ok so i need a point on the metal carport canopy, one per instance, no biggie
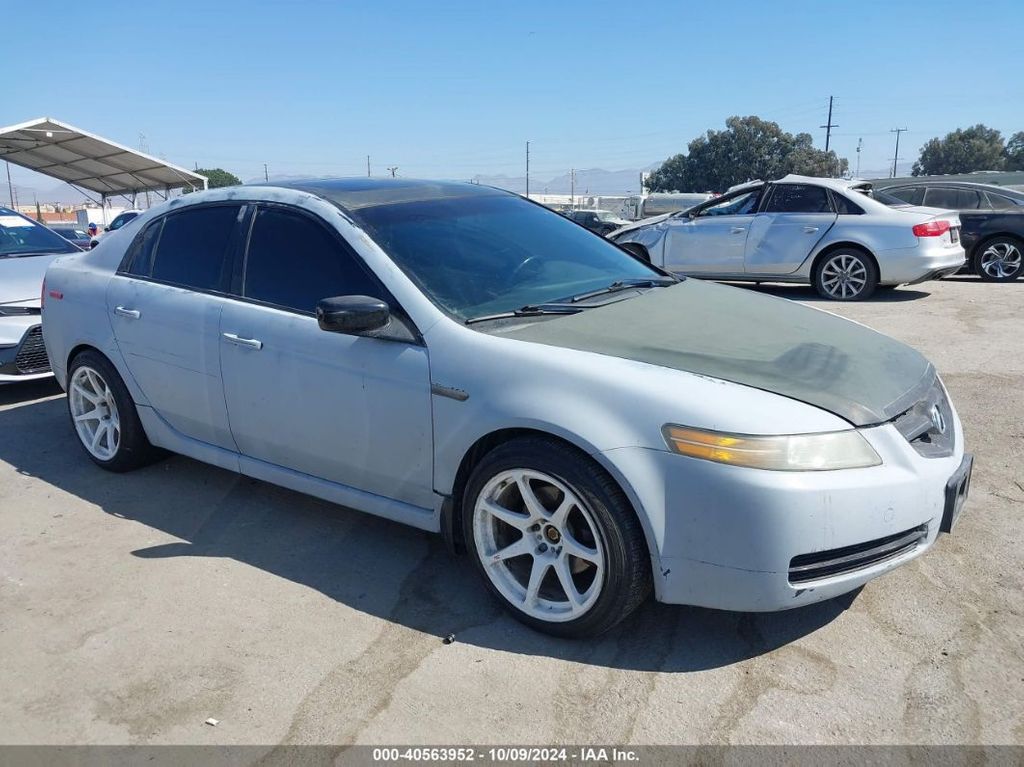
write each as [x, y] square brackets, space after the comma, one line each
[90, 162]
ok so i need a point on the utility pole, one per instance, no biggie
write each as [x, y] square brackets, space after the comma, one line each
[527, 170]
[266, 173]
[896, 156]
[860, 142]
[10, 186]
[367, 166]
[572, 188]
[828, 126]
[392, 170]
[143, 148]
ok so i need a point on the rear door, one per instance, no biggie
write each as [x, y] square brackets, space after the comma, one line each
[354, 410]
[793, 219]
[712, 240]
[165, 304]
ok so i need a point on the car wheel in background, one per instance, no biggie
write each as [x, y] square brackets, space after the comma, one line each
[846, 275]
[999, 259]
[555, 538]
[104, 416]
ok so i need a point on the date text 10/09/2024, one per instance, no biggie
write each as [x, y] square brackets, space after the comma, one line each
[504, 754]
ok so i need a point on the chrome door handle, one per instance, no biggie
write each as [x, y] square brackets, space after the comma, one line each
[737, 230]
[123, 311]
[810, 229]
[248, 343]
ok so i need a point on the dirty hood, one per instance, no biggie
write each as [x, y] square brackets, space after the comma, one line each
[21, 278]
[751, 339]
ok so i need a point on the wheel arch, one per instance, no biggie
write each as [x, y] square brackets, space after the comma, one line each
[451, 508]
[832, 247]
[986, 239]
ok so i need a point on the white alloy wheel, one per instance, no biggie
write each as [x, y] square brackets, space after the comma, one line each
[844, 276]
[539, 544]
[1001, 260]
[94, 413]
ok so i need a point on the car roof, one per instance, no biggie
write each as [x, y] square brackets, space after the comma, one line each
[359, 193]
[995, 188]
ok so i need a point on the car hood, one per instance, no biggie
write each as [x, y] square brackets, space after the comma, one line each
[650, 221]
[21, 278]
[752, 339]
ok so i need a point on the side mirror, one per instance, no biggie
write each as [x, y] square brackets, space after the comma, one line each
[106, 229]
[352, 315]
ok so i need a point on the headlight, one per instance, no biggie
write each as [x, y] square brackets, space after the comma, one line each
[787, 452]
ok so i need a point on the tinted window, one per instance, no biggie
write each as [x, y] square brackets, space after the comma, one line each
[913, 195]
[952, 198]
[192, 247]
[798, 198]
[485, 254]
[739, 205]
[294, 261]
[999, 202]
[846, 207]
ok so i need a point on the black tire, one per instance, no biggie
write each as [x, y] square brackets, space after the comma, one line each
[637, 250]
[1010, 246]
[864, 265]
[627, 573]
[134, 449]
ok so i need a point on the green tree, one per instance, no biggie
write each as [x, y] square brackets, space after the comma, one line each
[749, 148]
[962, 151]
[1014, 152]
[217, 177]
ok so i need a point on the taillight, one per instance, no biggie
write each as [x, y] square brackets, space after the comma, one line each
[931, 229]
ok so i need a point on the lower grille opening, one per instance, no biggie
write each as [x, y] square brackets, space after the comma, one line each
[31, 356]
[825, 564]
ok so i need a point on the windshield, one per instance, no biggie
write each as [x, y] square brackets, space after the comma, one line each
[21, 236]
[477, 256]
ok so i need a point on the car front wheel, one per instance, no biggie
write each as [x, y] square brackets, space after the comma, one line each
[555, 538]
[999, 259]
[104, 416]
[846, 275]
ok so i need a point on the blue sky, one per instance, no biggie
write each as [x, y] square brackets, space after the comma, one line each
[454, 89]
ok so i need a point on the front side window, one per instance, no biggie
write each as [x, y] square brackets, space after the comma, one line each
[739, 205]
[189, 248]
[798, 198]
[294, 262]
[486, 254]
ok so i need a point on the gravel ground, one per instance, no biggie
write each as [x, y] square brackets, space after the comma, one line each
[134, 607]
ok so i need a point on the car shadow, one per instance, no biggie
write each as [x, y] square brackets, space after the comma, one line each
[808, 293]
[15, 393]
[382, 568]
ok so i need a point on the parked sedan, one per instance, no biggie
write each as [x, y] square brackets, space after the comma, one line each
[26, 249]
[953, 195]
[817, 231]
[73, 233]
[464, 361]
[600, 221]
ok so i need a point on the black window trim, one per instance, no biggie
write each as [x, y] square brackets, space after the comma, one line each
[241, 256]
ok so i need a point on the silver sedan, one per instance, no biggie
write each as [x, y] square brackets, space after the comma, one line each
[827, 233]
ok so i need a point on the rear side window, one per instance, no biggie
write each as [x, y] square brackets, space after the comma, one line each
[998, 202]
[294, 262]
[913, 195]
[845, 207]
[952, 198]
[190, 248]
[798, 198]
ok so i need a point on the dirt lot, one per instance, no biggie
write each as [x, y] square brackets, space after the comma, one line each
[134, 607]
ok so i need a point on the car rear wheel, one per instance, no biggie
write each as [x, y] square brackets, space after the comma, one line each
[554, 538]
[846, 275]
[999, 259]
[104, 416]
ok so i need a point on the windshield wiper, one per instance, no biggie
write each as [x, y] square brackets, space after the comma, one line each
[656, 282]
[530, 310]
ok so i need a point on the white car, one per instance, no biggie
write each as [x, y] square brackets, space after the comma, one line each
[26, 249]
[464, 361]
[824, 232]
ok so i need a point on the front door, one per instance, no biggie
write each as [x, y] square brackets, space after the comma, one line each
[348, 409]
[712, 239]
[164, 307]
[792, 221]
